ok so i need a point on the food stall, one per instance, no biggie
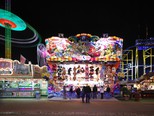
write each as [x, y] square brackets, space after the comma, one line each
[21, 80]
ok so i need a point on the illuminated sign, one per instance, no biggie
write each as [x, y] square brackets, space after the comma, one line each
[6, 67]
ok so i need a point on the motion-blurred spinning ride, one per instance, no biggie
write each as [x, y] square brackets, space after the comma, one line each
[10, 22]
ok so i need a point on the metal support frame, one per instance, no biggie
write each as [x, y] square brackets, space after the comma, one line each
[127, 64]
[148, 58]
[136, 63]
[8, 32]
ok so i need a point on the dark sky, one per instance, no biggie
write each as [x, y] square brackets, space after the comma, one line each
[126, 19]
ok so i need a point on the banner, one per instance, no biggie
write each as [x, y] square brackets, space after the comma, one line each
[22, 59]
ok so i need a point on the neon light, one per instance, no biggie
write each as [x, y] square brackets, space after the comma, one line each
[12, 19]
[5, 21]
[26, 42]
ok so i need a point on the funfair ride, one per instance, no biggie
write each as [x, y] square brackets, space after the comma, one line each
[82, 59]
[18, 79]
[137, 66]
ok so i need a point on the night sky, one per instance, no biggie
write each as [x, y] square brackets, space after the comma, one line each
[126, 19]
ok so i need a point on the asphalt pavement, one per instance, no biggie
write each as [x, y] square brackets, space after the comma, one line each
[73, 107]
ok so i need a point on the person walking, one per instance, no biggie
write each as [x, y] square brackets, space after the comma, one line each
[64, 92]
[71, 92]
[83, 94]
[102, 92]
[95, 92]
[108, 89]
[78, 91]
[87, 92]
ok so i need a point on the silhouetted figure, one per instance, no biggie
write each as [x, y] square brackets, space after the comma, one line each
[71, 92]
[102, 92]
[95, 92]
[78, 91]
[87, 92]
[83, 93]
[64, 90]
[108, 89]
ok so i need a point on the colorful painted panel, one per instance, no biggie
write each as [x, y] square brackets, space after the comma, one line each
[84, 47]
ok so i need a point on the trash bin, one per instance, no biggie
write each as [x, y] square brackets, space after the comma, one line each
[37, 94]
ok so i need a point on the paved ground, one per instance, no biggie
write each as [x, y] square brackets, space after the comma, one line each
[74, 107]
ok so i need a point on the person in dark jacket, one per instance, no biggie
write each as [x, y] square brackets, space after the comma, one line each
[95, 92]
[87, 93]
[83, 94]
[78, 91]
[108, 89]
[71, 92]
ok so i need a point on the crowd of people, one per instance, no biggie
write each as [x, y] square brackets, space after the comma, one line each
[86, 92]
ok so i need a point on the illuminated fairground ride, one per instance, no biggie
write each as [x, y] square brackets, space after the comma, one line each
[134, 67]
[10, 22]
[81, 59]
[18, 79]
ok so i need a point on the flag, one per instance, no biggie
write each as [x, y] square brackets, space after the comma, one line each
[22, 59]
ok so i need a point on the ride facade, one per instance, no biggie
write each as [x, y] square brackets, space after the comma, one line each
[80, 60]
